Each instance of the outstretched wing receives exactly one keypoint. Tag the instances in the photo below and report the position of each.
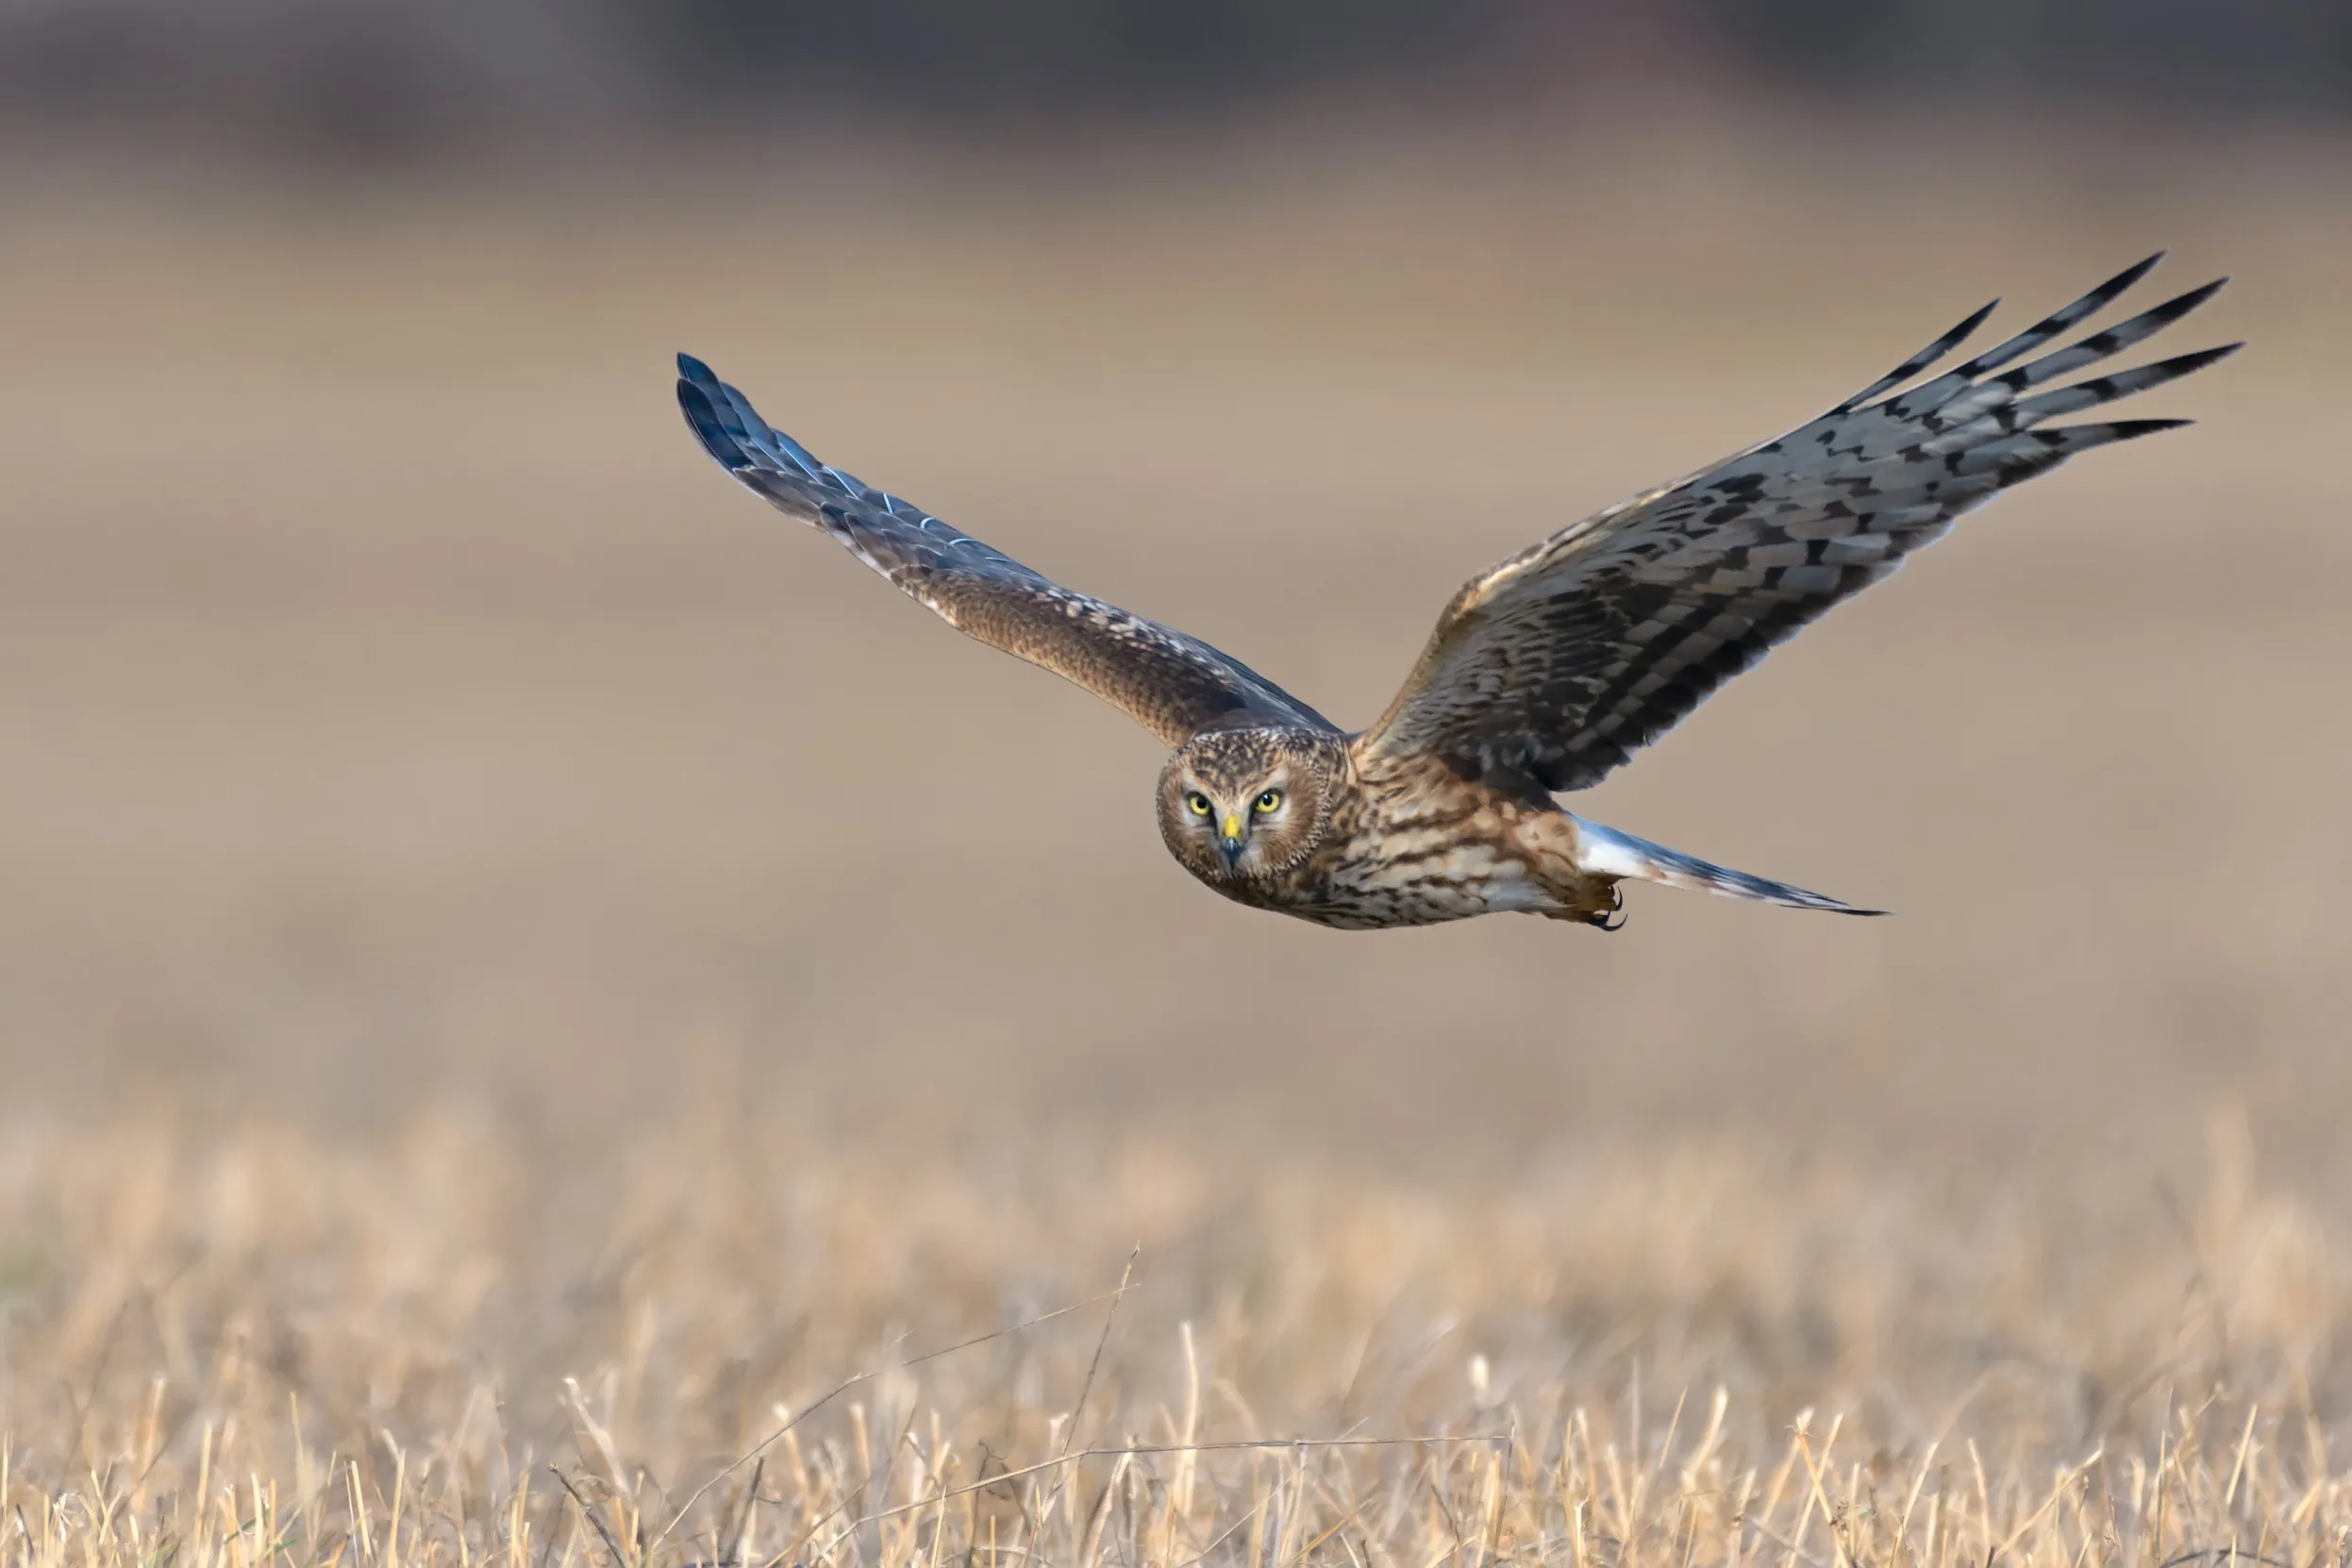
(1176, 686)
(1556, 666)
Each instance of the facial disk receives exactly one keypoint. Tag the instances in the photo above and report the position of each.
(1242, 803)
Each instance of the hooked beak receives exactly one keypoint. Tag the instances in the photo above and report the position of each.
(1231, 842)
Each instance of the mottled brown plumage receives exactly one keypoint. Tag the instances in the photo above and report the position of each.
(1309, 825)
(1544, 673)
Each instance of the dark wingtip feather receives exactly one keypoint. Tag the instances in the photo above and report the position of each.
(2165, 371)
(2205, 357)
(1971, 322)
(2058, 321)
(1921, 360)
(2156, 317)
(2132, 429)
(2180, 305)
(732, 431)
(702, 417)
(2114, 288)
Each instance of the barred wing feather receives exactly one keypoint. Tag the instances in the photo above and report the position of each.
(1549, 671)
(1173, 685)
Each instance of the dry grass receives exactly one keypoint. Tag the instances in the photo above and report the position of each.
(411, 753)
(249, 1347)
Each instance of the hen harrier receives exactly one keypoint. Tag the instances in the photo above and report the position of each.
(1544, 673)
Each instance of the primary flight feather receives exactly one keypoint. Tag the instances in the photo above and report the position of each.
(1544, 673)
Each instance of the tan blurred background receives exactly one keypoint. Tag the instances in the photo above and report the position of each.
(399, 708)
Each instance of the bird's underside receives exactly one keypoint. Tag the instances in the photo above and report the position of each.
(1544, 673)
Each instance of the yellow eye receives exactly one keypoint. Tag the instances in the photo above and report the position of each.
(1270, 801)
(1199, 804)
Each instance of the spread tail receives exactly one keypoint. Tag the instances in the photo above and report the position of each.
(1604, 852)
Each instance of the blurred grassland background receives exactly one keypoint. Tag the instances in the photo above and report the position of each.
(512, 954)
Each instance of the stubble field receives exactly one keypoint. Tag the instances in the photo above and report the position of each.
(545, 1017)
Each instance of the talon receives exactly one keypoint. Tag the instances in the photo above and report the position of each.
(1599, 919)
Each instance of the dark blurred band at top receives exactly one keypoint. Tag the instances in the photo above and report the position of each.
(411, 75)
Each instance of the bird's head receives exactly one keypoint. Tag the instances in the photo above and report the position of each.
(1238, 803)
